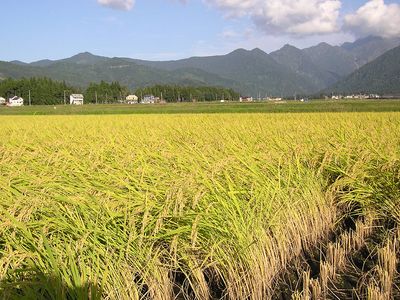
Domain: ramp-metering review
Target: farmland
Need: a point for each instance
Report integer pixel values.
(210, 107)
(166, 205)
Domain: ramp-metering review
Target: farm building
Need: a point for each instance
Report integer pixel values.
(15, 101)
(2, 101)
(148, 99)
(132, 99)
(246, 99)
(76, 99)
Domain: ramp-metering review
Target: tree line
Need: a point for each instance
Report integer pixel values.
(175, 93)
(45, 91)
(40, 90)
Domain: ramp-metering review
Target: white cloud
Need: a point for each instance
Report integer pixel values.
(375, 18)
(300, 17)
(118, 4)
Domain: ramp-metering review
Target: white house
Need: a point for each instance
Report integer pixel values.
(132, 99)
(15, 101)
(76, 99)
(148, 99)
(2, 101)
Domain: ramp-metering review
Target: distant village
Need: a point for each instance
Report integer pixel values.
(78, 99)
(356, 96)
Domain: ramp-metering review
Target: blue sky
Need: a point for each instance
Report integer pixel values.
(173, 29)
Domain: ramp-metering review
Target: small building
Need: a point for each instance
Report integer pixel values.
(132, 99)
(15, 101)
(2, 101)
(76, 99)
(246, 99)
(374, 96)
(274, 99)
(148, 99)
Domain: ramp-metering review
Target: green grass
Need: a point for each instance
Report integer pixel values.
(215, 107)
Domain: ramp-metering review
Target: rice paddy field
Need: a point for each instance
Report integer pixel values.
(200, 206)
(209, 108)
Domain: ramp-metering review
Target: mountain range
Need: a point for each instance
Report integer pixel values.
(285, 72)
(381, 76)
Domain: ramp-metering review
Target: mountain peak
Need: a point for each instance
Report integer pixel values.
(289, 48)
(324, 45)
(362, 42)
(258, 51)
(83, 55)
(239, 51)
(85, 58)
(18, 62)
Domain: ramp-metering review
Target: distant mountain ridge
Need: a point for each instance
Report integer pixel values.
(381, 76)
(285, 72)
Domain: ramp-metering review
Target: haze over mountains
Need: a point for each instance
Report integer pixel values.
(285, 72)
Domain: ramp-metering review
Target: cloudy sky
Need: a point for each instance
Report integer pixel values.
(173, 29)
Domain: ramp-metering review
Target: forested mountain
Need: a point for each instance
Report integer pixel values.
(112, 69)
(381, 76)
(251, 72)
(367, 49)
(333, 59)
(255, 69)
(300, 63)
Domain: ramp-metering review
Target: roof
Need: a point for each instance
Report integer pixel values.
(15, 98)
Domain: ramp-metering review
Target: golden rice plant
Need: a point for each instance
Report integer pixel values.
(182, 206)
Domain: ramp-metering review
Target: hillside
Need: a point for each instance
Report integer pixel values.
(367, 49)
(255, 69)
(81, 72)
(381, 76)
(300, 63)
(333, 59)
(249, 72)
(285, 72)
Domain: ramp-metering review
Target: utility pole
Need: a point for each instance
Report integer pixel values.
(65, 100)
(95, 95)
(29, 97)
